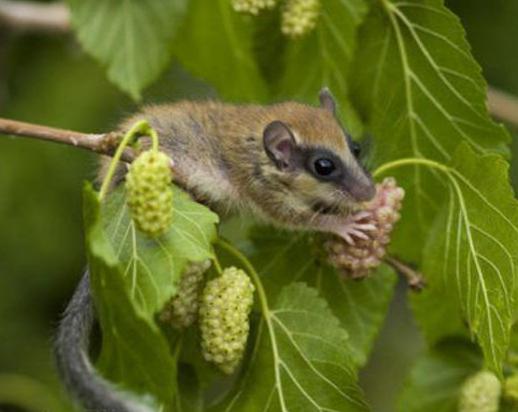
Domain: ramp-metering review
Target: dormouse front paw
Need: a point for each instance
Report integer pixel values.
(360, 242)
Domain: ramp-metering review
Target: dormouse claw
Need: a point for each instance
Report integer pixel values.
(351, 228)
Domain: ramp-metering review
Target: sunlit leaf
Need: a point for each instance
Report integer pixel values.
(134, 354)
(324, 56)
(360, 306)
(133, 39)
(151, 267)
(300, 360)
(473, 254)
(422, 94)
(216, 46)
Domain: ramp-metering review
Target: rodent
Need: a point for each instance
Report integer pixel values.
(290, 164)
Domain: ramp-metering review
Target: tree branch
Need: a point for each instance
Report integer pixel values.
(33, 16)
(104, 143)
(503, 106)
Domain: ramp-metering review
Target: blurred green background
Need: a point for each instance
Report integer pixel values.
(47, 79)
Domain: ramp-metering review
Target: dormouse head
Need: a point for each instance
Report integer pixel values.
(316, 159)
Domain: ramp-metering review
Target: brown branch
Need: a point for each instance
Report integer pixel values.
(33, 16)
(503, 106)
(104, 143)
(414, 279)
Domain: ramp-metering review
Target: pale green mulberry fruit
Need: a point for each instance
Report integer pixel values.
(480, 393)
(253, 6)
(225, 305)
(149, 193)
(182, 310)
(299, 17)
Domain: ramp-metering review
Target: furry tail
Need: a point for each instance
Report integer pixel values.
(93, 392)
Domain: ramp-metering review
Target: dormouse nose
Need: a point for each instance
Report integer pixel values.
(362, 192)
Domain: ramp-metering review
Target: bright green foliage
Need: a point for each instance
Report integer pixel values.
(436, 379)
(417, 89)
(149, 194)
(326, 55)
(282, 258)
(480, 393)
(219, 50)
(471, 251)
(224, 308)
(132, 38)
(299, 361)
(135, 354)
(360, 306)
(422, 94)
(152, 267)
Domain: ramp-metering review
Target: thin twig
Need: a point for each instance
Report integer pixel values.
(414, 279)
(503, 106)
(104, 143)
(35, 16)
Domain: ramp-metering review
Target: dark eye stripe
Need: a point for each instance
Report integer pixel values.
(356, 148)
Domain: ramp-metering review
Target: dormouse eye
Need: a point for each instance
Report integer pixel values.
(324, 167)
(356, 149)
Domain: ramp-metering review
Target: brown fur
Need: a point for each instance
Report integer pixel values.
(220, 159)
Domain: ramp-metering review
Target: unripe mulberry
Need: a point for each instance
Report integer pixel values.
(149, 193)
(182, 310)
(299, 17)
(225, 306)
(480, 393)
(253, 6)
(366, 254)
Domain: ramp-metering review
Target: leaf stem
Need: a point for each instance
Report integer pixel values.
(414, 279)
(141, 127)
(410, 161)
(264, 309)
(217, 264)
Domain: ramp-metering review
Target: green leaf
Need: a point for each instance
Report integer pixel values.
(473, 252)
(361, 306)
(134, 353)
(189, 396)
(216, 46)
(422, 94)
(323, 58)
(133, 39)
(300, 360)
(151, 267)
(436, 378)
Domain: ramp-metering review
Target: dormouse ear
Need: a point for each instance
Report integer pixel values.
(327, 100)
(279, 144)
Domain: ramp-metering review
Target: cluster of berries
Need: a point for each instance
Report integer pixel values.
(298, 17)
(223, 306)
(226, 301)
(355, 259)
(182, 310)
(149, 194)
